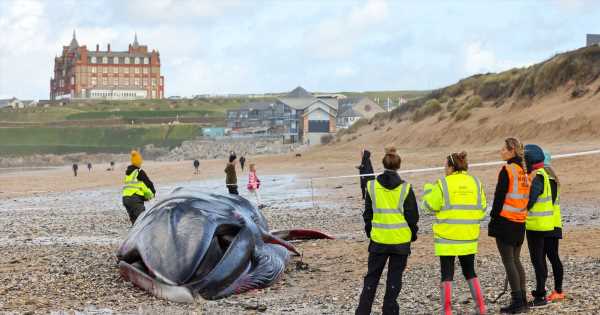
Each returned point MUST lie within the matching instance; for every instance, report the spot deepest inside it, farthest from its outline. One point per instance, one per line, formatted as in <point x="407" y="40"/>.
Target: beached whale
<point x="197" y="244"/>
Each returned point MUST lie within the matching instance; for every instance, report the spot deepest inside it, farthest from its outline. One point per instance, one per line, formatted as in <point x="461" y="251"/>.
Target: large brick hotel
<point x="83" y="74"/>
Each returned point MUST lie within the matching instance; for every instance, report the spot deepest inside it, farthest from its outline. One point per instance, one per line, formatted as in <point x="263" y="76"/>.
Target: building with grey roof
<point x="297" y="116"/>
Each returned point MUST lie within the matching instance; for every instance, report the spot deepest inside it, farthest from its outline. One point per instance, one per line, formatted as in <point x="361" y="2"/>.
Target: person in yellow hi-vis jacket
<point x="459" y="204"/>
<point x="138" y="187"/>
<point x="391" y="216"/>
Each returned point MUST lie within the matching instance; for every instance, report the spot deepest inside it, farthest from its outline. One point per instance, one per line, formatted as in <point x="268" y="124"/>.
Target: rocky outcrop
<point x="219" y="149"/>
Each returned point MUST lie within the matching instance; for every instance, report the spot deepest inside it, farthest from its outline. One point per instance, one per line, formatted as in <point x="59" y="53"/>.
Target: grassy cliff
<point x="39" y="140"/>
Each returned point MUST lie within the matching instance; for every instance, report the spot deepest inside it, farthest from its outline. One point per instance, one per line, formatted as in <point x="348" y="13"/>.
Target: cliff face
<point x="553" y="101"/>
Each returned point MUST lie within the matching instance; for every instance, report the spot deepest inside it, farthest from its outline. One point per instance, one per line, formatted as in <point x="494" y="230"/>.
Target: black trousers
<point x="396" y="266"/>
<point x="134" y="206"/>
<point x="551" y="251"/>
<point x="536" y="244"/>
<point x="233" y="189"/>
<point x="467" y="263"/>
<point x="511" y="260"/>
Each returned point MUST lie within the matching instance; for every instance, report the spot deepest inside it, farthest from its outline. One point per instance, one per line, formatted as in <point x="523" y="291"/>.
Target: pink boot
<point x="446" y="294"/>
<point x="477" y="296"/>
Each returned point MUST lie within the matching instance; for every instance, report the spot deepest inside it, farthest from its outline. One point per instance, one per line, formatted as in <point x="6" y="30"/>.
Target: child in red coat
<point x="254" y="185"/>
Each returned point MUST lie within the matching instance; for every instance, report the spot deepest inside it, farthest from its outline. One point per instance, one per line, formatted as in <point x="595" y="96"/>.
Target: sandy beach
<point x="59" y="235"/>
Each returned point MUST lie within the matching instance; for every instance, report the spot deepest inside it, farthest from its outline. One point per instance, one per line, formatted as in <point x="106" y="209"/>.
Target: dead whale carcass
<point x="211" y="245"/>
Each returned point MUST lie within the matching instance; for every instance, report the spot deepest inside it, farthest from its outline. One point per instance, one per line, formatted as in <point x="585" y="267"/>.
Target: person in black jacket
<point x="396" y="253"/>
<point x="536" y="240"/>
<point x="365" y="167"/>
<point x="510" y="233"/>
<point x="242" y="162"/>
<point x="134" y="203"/>
<point x="196" y="166"/>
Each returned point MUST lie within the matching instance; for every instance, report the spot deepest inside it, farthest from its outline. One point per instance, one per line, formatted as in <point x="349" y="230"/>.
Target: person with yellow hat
<point x="138" y="187"/>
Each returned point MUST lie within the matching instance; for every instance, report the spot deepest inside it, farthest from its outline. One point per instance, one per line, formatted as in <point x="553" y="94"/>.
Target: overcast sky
<point x="272" y="46"/>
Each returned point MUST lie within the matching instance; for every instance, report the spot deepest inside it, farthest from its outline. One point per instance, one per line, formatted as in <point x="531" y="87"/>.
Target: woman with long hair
<point x="507" y="223"/>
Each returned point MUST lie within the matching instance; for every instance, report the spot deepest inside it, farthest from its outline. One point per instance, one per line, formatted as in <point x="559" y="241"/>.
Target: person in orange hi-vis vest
<point x="508" y="215"/>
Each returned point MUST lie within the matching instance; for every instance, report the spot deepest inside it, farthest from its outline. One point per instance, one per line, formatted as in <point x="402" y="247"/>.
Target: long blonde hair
<point x="517" y="146"/>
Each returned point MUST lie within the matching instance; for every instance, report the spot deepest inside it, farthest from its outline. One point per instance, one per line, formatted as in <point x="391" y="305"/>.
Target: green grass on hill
<point x="127" y="110"/>
<point x="19" y="141"/>
<point x="139" y="114"/>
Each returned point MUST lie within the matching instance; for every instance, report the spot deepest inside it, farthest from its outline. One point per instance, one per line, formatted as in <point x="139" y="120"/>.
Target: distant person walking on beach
<point x="196" y="165"/>
<point x="112" y="165"/>
<point x="365" y="167"/>
<point x="242" y="162"/>
<point x="89" y="165"/>
<point x="75" y="168"/>
<point x="254" y="185"/>
<point x="138" y="188"/>
<point x="231" y="177"/>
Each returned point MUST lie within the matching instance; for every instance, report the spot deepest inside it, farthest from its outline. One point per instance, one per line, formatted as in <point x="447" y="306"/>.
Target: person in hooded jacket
<point x="365" y="167"/>
<point x="138" y="188"/>
<point x="543" y="230"/>
<point x="391" y="217"/>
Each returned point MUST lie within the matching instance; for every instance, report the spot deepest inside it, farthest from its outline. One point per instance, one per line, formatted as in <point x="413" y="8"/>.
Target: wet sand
<point x="59" y="235"/>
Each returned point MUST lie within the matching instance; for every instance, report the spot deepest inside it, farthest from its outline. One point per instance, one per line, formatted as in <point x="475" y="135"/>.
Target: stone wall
<point x="219" y="149"/>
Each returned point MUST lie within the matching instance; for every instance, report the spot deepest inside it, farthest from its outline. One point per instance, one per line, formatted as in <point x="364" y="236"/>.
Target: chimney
<point x="97" y="47"/>
<point x="108" y="47"/>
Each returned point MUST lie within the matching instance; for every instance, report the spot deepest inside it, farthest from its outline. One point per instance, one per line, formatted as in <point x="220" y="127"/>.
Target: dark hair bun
<point x="391" y="150"/>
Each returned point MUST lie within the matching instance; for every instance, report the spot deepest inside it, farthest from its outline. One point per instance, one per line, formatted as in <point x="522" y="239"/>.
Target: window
<point x="137" y="82"/>
<point x="153" y="82"/>
<point x="126" y="60"/>
<point x="93" y="69"/>
<point x="116" y="60"/>
<point x="104" y="81"/>
<point x="104" y="70"/>
<point x="72" y="80"/>
<point x="94" y="81"/>
<point x="93" y="59"/>
<point x="145" y="82"/>
<point x="116" y="81"/>
<point x="137" y="60"/>
<point x="161" y="81"/>
<point x="115" y="70"/>
<point x="153" y="94"/>
<point x="146" y="60"/>
<point x="137" y="70"/>
<point x="318" y="126"/>
<point x="127" y="70"/>
<point x="104" y="59"/>
<point x="145" y="70"/>
<point x="126" y="81"/>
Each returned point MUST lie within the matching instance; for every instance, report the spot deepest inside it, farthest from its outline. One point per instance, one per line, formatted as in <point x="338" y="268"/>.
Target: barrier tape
<point x="431" y="169"/>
